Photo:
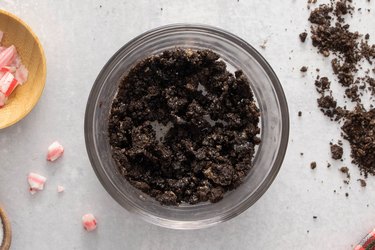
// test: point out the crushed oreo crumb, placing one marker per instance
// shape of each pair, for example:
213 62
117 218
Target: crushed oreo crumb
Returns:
210 136
303 36
336 151
344 170
313 165
359 130
332 36
362 182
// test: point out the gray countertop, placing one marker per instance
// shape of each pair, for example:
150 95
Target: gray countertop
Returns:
78 38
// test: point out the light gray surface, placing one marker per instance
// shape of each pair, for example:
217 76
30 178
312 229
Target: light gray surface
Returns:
78 38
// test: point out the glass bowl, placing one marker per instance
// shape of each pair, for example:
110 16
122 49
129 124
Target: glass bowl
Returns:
274 125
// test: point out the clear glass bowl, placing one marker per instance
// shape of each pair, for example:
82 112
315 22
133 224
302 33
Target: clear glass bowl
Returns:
274 125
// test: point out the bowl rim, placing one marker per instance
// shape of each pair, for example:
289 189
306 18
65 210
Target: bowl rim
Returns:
239 208
44 63
7 236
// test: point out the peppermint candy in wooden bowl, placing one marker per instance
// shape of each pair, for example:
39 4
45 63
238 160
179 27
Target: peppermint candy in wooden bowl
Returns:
5 231
23 98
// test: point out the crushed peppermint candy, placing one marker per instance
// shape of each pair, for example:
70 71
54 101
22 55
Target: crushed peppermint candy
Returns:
36 182
55 150
60 188
89 222
12 72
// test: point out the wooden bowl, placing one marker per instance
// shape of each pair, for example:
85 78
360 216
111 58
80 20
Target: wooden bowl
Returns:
5 245
24 97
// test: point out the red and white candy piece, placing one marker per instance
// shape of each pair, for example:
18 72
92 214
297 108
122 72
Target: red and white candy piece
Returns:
21 74
36 182
3 99
60 188
89 222
7 55
8 83
55 150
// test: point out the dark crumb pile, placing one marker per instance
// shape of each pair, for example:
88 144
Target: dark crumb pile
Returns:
336 151
359 130
348 51
210 123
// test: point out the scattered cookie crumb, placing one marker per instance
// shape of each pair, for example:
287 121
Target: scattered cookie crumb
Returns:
313 165
299 113
336 151
362 182
303 69
344 170
303 36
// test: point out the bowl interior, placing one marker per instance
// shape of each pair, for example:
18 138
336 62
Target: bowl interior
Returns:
25 97
274 125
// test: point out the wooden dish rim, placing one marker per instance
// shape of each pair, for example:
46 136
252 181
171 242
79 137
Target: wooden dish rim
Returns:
5 245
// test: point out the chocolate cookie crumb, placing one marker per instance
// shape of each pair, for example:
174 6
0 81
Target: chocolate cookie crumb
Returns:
313 165
344 170
332 36
359 130
210 136
299 113
336 151
315 217
303 69
347 194
362 182
303 36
